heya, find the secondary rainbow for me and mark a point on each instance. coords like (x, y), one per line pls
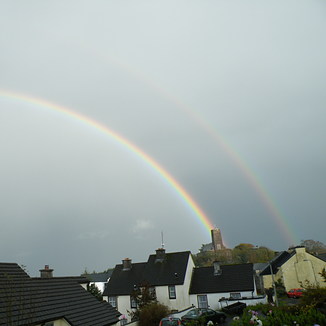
(163, 173)
(240, 163)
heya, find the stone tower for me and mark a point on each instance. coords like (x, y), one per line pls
(217, 239)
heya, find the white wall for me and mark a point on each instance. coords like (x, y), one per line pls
(213, 299)
(182, 300)
(99, 285)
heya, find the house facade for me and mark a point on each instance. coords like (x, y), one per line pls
(100, 280)
(49, 301)
(295, 268)
(168, 276)
(218, 286)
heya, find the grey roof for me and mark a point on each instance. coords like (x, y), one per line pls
(171, 271)
(99, 277)
(260, 266)
(38, 300)
(322, 256)
(277, 262)
(233, 278)
(123, 282)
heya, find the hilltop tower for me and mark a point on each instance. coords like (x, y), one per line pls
(217, 239)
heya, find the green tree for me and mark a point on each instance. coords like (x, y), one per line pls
(152, 313)
(144, 295)
(94, 290)
(242, 253)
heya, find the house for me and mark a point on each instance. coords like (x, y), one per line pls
(49, 301)
(220, 285)
(100, 280)
(168, 276)
(295, 268)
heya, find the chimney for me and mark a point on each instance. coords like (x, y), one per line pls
(217, 268)
(126, 264)
(160, 255)
(46, 272)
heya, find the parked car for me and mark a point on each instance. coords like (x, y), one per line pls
(203, 316)
(295, 293)
(170, 321)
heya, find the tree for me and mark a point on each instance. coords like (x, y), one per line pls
(143, 295)
(94, 290)
(242, 253)
(313, 247)
(152, 313)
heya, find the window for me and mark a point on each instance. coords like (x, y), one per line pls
(235, 295)
(113, 302)
(133, 302)
(202, 301)
(123, 322)
(172, 293)
(152, 292)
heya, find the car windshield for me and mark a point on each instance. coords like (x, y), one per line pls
(193, 312)
(170, 322)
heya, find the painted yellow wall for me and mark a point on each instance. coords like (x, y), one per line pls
(300, 270)
(59, 322)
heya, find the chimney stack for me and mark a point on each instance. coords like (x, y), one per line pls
(160, 255)
(217, 268)
(46, 272)
(126, 264)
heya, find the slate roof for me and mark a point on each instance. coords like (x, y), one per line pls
(38, 300)
(122, 282)
(322, 256)
(99, 277)
(171, 271)
(234, 278)
(277, 262)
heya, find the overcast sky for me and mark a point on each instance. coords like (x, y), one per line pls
(227, 96)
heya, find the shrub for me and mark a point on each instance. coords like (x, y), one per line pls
(151, 314)
(268, 315)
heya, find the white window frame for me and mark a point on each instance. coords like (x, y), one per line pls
(113, 301)
(172, 292)
(235, 295)
(202, 303)
(133, 302)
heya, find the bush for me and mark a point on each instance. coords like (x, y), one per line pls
(314, 297)
(151, 314)
(268, 315)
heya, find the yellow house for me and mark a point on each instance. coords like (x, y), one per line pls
(295, 268)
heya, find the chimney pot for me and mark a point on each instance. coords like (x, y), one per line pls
(160, 255)
(47, 272)
(126, 264)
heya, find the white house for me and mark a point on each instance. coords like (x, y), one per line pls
(100, 280)
(167, 274)
(49, 301)
(218, 286)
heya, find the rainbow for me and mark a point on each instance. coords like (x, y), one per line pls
(163, 173)
(240, 163)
